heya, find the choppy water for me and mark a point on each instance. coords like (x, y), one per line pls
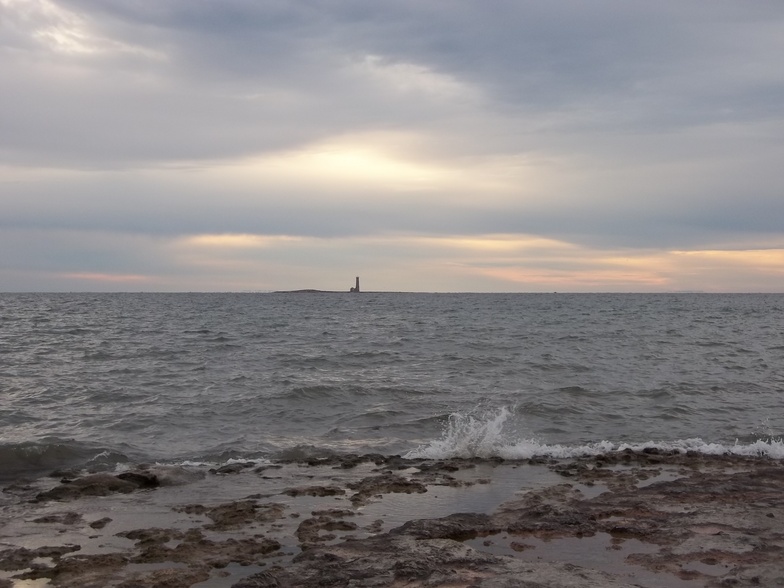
(208, 377)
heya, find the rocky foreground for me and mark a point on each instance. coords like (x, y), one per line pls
(645, 519)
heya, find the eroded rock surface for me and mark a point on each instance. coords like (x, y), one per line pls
(237, 514)
(690, 521)
(402, 560)
(373, 486)
(103, 484)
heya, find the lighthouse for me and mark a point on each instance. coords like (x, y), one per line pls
(355, 288)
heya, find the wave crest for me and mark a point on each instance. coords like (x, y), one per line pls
(489, 435)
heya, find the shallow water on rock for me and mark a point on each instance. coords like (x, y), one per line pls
(600, 552)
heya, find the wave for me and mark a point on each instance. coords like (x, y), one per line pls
(487, 435)
(31, 458)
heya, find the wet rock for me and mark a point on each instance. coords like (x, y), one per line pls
(232, 468)
(166, 578)
(459, 527)
(175, 475)
(152, 536)
(192, 547)
(144, 479)
(92, 485)
(100, 523)
(260, 580)
(315, 491)
(372, 486)
(22, 557)
(68, 474)
(264, 468)
(334, 512)
(126, 482)
(236, 514)
(387, 561)
(442, 466)
(66, 518)
(570, 469)
(715, 521)
(351, 461)
(83, 571)
(309, 530)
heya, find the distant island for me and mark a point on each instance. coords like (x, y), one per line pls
(353, 290)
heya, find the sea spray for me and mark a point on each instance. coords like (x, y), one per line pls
(487, 434)
(484, 434)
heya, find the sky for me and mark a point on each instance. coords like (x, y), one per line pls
(424, 145)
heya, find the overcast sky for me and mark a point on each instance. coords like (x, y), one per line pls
(427, 145)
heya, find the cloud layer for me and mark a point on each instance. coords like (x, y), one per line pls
(511, 146)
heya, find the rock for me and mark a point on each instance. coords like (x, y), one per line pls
(167, 578)
(176, 475)
(66, 518)
(232, 468)
(308, 530)
(141, 479)
(706, 520)
(194, 549)
(260, 580)
(22, 557)
(105, 484)
(88, 571)
(315, 491)
(460, 526)
(236, 514)
(100, 523)
(92, 485)
(399, 560)
(383, 484)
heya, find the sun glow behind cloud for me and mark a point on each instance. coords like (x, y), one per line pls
(370, 167)
(359, 165)
(387, 162)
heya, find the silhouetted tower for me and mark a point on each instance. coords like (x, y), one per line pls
(356, 288)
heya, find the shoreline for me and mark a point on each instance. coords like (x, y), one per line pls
(648, 518)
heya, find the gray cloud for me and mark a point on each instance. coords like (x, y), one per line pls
(610, 124)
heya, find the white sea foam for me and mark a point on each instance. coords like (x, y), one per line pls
(487, 435)
(256, 461)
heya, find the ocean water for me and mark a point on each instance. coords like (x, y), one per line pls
(108, 379)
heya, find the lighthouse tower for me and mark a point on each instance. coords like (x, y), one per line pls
(355, 288)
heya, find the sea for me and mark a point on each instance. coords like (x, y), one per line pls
(101, 381)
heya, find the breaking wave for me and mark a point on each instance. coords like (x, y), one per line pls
(37, 457)
(488, 434)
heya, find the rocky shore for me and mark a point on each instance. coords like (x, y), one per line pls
(649, 519)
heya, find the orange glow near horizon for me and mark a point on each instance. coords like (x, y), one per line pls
(770, 259)
(581, 278)
(492, 261)
(104, 277)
